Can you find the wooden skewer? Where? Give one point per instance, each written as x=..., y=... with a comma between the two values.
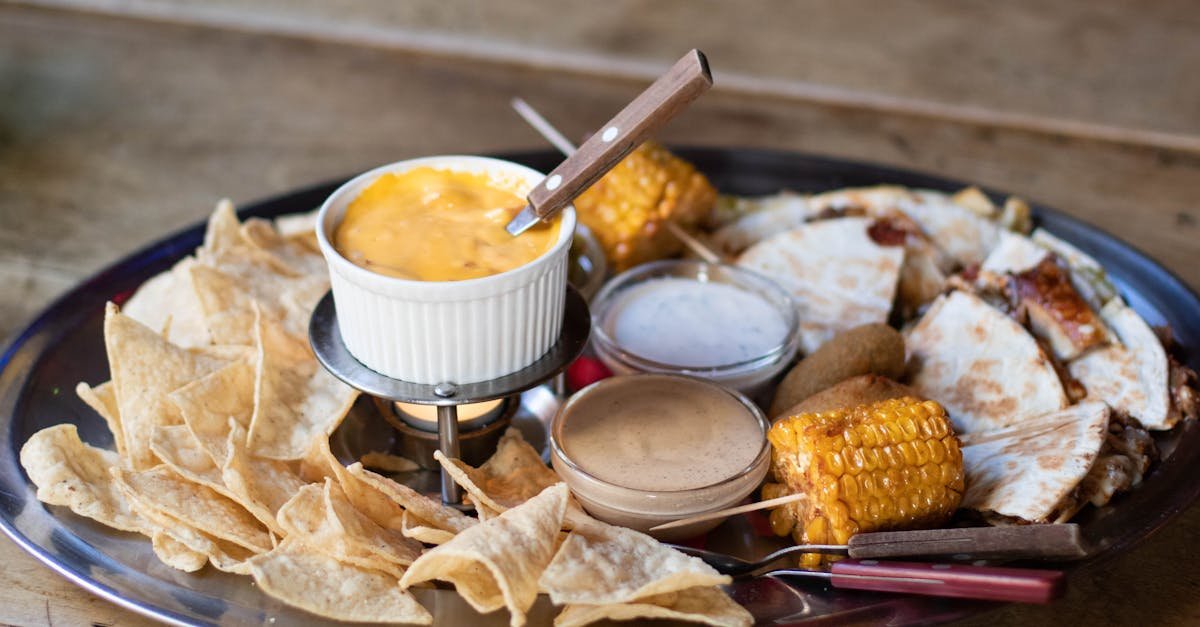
x=564, y=145
x=741, y=509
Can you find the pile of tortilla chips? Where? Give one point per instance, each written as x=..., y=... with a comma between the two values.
x=221, y=417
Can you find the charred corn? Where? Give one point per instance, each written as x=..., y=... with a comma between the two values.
x=891, y=465
x=626, y=208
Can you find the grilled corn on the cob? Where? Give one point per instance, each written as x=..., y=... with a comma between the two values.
x=626, y=208
x=890, y=465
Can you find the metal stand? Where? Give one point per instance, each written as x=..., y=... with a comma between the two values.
x=326, y=339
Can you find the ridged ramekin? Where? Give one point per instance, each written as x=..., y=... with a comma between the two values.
x=448, y=331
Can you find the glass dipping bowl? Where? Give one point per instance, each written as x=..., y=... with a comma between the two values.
x=641, y=509
x=750, y=376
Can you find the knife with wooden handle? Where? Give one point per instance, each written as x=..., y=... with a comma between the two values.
x=1050, y=542
x=663, y=100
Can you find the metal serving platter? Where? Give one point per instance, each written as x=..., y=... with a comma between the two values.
x=64, y=345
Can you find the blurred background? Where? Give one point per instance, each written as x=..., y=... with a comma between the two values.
x=124, y=120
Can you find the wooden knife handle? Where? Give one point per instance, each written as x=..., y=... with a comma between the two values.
x=990, y=583
x=665, y=98
x=1058, y=542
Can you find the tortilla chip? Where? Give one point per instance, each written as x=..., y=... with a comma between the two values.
x=289, y=254
x=839, y=277
x=178, y=449
x=385, y=543
x=704, y=605
x=413, y=527
x=497, y=563
x=70, y=473
x=322, y=518
x=601, y=564
x=312, y=581
x=304, y=518
x=167, y=303
x=981, y=365
x=511, y=476
x=223, y=555
x=427, y=511
x=145, y=368
x=176, y=554
x=229, y=292
x=260, y=485
x=221, y=234
x=388, y=463
x=208, y=404
x=296, y=400
x=103, y=399
x=300, y=228
x=199, y=506
x=373, y=503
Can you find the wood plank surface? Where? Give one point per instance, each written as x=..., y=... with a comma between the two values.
x=115, y=132
x=1112, y=67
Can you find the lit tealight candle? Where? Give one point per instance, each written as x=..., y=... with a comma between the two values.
x=470, y=411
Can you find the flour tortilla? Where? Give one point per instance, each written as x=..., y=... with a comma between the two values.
x=1026, y=471
x=983, y=367
x=768, y=215
x=1132, y=376
x=961, y=233
x=838, y=275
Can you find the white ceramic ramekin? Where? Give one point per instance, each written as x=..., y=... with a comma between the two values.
x=448, y=331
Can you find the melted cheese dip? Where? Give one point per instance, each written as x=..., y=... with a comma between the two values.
x=660, y=433
x=429, y=224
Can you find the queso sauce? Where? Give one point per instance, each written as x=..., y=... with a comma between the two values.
x=428, y=224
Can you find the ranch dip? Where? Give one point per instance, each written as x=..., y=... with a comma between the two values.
x=660, y=433
x=694, y=324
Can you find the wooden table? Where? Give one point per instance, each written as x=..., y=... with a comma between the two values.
x=116, y=131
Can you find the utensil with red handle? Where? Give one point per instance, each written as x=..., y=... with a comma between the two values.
x=986, y=583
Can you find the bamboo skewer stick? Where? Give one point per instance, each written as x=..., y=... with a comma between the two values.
x=564, y=145
x=741, y=509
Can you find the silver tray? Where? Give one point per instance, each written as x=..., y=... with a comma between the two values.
x=64, y=345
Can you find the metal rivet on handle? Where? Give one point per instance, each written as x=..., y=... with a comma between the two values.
x=445, y=390
x=610, y=134
x=553, y=182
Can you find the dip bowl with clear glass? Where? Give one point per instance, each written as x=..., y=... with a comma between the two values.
x=714, y=321
x=642, y=450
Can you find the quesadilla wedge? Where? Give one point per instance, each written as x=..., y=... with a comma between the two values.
x=1043, y=286
x=983, y=367
x=962, y=233
x=1049, y=467
x=839, y=276
x=1132, y=376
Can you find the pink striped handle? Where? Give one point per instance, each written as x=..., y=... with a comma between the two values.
x=992, y=583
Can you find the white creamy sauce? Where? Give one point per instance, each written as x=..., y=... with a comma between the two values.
x=694, y=324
